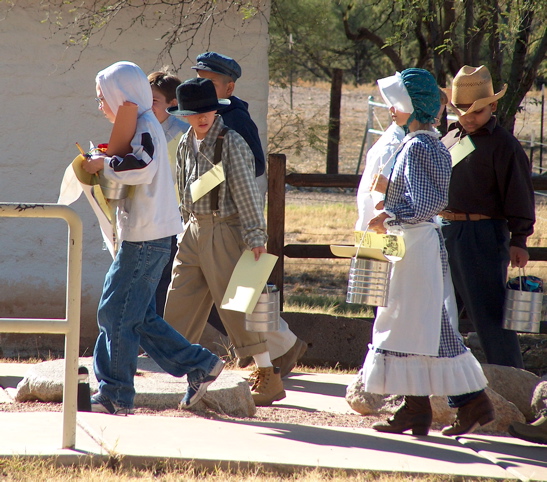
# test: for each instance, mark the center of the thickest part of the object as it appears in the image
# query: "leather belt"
(450, 216)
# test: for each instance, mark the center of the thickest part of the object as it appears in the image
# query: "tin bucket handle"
(521, 274)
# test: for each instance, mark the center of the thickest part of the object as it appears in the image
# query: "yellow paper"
(247, 282)
(101, 201)
(346, 251)
(391, 246)
(461, 149)
(212, 178)
(75, 181)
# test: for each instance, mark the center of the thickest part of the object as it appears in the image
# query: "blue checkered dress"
(417, 191)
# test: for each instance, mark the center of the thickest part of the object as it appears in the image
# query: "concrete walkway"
(142, 438)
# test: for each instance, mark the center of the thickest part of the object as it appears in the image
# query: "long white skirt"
(415, 350)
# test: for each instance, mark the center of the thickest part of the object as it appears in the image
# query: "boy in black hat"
(284, 346)
(221, 222)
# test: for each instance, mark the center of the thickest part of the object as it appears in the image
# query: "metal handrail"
(69, 326)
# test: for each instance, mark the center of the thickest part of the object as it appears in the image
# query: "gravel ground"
(263, 415)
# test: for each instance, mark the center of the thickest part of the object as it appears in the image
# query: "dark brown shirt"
(494, 180)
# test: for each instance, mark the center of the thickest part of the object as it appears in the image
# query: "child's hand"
(519, 257)
(258, 251)
(93, 164)
(379, 183)
(377, 224)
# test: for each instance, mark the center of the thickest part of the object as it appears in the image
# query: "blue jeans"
(127, 318)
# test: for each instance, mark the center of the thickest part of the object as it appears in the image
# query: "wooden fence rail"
(278, 178)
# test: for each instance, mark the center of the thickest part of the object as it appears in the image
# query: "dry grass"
(310, 114)
(25, 470)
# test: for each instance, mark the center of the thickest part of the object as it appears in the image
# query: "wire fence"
(332, 273)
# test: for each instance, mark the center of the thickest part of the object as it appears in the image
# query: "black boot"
(415, 413)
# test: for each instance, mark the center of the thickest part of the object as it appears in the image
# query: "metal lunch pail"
(522, 311)
(368, 282)
(265, 316)
(112, 189)
(523, 307)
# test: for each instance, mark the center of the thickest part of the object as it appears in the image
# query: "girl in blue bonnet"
(415, 352)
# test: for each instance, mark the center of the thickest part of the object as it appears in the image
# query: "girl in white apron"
(415, 352)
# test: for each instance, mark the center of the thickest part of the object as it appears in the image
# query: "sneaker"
(197, 388)
(100, 404)
(288, 361)
(267, 386)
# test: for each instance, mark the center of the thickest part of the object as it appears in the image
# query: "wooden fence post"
(277, 169)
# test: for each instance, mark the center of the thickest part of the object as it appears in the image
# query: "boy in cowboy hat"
(221, 223)
(490, 210)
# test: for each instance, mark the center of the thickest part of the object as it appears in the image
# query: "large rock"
(539, 398)
(513, 384)
(362, 402)
(367, 403)
(155, 389)
(505, 412)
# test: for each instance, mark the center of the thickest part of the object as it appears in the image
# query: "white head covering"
(125, 81)
(395, 94)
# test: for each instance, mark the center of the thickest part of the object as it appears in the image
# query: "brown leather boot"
(415, 413)
(267, 386)
(478, 411)
(288, 361)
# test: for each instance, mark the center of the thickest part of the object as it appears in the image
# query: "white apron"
(411, 322)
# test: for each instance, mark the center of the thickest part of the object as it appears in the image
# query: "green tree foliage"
(318, 45)
(369, 39)
(508, 36)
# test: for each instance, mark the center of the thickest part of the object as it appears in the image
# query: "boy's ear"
(494, 106)
(173, 103)
(230, 88)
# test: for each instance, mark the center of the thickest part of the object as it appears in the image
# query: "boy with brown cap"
(490, 211)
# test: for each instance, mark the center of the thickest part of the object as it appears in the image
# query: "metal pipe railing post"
(69, 326)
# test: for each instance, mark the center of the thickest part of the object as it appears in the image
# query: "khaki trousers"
(206, 257)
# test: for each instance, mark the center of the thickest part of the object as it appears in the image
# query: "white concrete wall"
(47, 104)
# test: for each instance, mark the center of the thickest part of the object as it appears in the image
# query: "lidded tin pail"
(368, 282)
(522, 308)
(265, 316)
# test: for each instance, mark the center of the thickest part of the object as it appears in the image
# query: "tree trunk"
(333, 141)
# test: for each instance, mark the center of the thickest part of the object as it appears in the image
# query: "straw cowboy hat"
(472, 90)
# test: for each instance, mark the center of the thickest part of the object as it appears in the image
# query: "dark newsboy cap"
(218, 63)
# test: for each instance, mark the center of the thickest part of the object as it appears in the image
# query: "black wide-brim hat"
(196, 96)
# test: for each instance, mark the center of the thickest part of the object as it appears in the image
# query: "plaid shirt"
(418, 187)
(238, 193)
